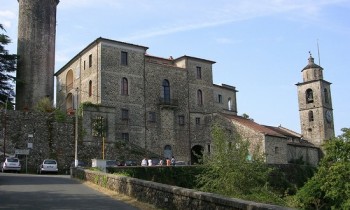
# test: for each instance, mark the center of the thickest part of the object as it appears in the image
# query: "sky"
(259, 46)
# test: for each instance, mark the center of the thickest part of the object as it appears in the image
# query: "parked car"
(80, 164)
(112, 163)
(48, 166)
(130, 163)
(180, 163)
(11, 164)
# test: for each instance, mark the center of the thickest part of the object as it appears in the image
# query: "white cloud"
(224, 12)
(7, 18)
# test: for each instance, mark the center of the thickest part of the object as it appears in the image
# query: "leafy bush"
(330, 187)
(228, 171)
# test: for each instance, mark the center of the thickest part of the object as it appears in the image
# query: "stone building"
(36, 51)
(160, 104)
(163, 105)
(315, 105)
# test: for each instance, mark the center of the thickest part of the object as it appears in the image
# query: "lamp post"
(4, 128)
(76, 131)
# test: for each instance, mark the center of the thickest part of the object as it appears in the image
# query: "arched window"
(229, 104)
(199, 98)
(90, 88)
(311, 116)
(69, 81)
(166, 91)
(125, 86)
(309, 96)
(326, 99)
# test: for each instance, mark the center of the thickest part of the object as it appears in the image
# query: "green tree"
(7, 66)
(329, 188)
(228, 170)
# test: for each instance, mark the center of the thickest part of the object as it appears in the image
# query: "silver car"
(48, 165)
(11, 164)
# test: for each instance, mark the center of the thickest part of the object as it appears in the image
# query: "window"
(125, 137)
(125, 86)
(209, 149)
(198, 120)
(199, 98)
(199, 72)
(277, 150)
(125, 114)
(229, 104)
(181, 120)
(90, 60)
(311, 116)
(90, 88)
(166, 91)
(326, 99)
(151, 116)
(309, 96)
(98, 126)
(124, 58)
(84, 65)
(220, 98)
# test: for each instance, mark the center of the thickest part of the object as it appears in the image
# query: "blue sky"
(260, 46)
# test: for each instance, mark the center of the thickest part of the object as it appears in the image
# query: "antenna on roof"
(318, 51)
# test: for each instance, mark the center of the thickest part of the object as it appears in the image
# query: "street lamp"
(4, 128)
(76, 130)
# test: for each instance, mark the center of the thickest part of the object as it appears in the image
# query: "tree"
(329, 188)
(7, 66)
(228, 170)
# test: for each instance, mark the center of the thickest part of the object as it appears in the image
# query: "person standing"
(167, 161)
(161, 162)
(150, 162)
(173, 161)
(144, 162)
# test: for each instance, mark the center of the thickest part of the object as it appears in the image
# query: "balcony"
(168, 103)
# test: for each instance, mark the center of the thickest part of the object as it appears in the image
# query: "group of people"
(149, 162)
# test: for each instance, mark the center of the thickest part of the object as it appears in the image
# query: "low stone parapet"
(166, 196)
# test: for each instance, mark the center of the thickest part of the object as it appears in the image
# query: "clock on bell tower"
(315, 104)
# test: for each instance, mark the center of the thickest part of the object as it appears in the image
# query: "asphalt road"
(27, 191)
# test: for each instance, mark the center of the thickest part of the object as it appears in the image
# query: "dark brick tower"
(36, 50)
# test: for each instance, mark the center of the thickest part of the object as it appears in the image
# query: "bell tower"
(36, 51)
(315, 104)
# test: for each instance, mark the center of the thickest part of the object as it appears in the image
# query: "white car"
(11, 164)
(48, 165)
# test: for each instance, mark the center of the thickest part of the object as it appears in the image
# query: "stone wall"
(166, 196)
(49, 138)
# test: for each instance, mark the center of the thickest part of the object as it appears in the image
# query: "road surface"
(28, 191)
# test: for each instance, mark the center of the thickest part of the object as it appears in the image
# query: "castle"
(168, 105)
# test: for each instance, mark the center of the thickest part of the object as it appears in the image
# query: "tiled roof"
(255, 126)
(284, 131)
(272, 131)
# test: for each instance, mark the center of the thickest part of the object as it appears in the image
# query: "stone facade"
(279, 145)
(156, 103)
(36, 51)
(41, 134)
(165, 106)
(315, 105)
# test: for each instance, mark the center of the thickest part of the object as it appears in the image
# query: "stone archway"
(168, 153)
(196, 154)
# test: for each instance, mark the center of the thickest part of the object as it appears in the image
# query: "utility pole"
(76, 130)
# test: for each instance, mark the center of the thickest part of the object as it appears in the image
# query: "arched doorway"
(168, 153)
(196, 154)
(69, 103)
